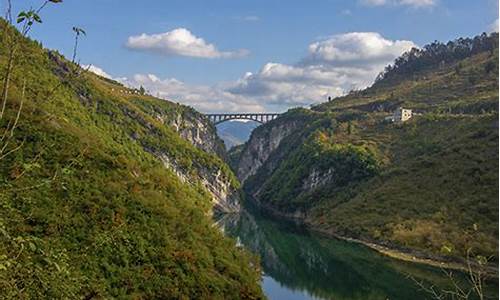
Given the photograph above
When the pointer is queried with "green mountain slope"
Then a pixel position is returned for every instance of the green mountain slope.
(92, 204)
(428, 186)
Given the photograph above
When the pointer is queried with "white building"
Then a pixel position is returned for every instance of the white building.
(400, 115)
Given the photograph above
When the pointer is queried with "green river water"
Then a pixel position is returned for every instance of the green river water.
(298, 264)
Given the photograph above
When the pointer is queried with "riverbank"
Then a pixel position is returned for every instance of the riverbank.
(408, 255)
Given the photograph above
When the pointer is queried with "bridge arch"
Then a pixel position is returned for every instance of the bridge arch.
(257, 117)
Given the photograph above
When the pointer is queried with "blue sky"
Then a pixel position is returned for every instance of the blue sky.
(298, 52)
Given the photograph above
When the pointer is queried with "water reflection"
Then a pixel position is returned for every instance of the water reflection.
(301, 265)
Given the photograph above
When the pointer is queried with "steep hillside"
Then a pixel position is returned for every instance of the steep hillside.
(459, 77)
(102, 197)
(428, 186)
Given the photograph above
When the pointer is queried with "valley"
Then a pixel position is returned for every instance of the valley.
(385, 192)
(426, 187)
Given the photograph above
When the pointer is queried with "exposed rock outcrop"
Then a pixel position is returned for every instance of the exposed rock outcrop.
(317, 179)
(196, 129)
(225, 197)
(262, 143)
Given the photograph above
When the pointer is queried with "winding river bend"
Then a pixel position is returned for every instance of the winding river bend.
(299, 265)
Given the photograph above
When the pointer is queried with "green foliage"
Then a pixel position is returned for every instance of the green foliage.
(436, 54)
(421, 186)
(87, 208)
(439, 183)
(29, 16)
(319, 162)
(234, 156)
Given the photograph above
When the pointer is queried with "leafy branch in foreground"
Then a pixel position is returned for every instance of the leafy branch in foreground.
(75, 69)
(25, 19)
(78, 31)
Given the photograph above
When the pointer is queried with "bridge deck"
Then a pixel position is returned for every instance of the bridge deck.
(257, 117)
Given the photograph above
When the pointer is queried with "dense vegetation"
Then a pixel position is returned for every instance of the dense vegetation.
(430, 184)
(87, 209)
(437, 53)
(319, 159)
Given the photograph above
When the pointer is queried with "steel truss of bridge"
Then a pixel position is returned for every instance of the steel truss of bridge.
(257, 117)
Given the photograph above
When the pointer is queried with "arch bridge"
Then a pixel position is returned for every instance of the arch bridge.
(257, 117)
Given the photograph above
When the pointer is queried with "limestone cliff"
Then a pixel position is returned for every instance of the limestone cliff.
(198, 131)
(260, 146)
(225, 197)
(270, 145)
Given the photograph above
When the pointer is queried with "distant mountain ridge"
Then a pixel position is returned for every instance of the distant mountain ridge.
(235, 132)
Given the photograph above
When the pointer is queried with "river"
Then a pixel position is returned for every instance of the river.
(299, 265)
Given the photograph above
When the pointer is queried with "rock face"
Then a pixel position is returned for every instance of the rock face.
(225, 197)
(260, 166)
(196, 129)
(317, 179)
(263, 141)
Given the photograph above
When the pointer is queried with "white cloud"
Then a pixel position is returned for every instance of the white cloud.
(179, 42)
(332, 67)
(356, 48)
(418, 3)
(97, 70)
(201, 97)
(411, 3)
(494, 26)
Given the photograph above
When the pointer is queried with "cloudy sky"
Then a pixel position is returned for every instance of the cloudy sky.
(253, 55)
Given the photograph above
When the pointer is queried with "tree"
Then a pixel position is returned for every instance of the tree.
(458, 68)
(439, 54)
(472, 79)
